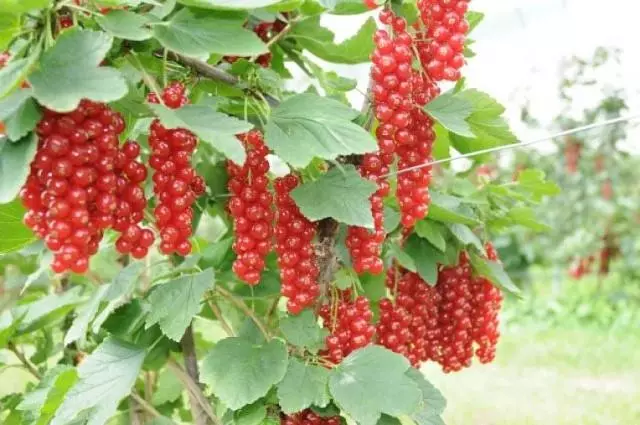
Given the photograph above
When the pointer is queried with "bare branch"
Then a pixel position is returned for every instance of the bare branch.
(191, 366)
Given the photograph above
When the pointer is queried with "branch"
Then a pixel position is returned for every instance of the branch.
(246, 310)
(23, 359)
(194, 390)
(218, 314)
(191, 365)
(147, 407)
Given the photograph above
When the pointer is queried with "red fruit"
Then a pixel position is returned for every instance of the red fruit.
(308, 417)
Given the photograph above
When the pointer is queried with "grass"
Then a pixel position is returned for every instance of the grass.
(579, 376)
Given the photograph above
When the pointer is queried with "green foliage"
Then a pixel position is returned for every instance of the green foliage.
(16, 235)
(303, 386)
(303, 331)
(15, 158)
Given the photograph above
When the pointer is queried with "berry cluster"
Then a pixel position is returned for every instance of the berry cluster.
(308, 417)
(441, 48)
(71, 192)
(175, 182)
(130, 174)
(349, 324)
(410, 325)
(250, 205)
(294, 246)
(487, 300)
(265, 31)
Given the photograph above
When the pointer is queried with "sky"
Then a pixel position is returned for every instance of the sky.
(520, 46)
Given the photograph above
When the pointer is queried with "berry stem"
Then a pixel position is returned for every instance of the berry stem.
(245, 309)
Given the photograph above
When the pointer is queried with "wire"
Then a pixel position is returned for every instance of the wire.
(569, 132)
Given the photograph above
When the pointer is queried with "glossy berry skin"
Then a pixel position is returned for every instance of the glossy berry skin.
(441, 45)
(349, 324)
(486, 303)
(309, 417)
(409, 324)
(70, 191)
(176, 185)
(294, 235)
(250, 205)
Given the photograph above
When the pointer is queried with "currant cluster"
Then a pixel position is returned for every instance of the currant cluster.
(308, 417)
(265, 31)
(71, 191)
(487, 300)
(250, 205)
(175, 183)
(442, 46)
(130, 174)
(294, 246)
(455, 314)
(414, 152)
(349, 324)
(410, 325)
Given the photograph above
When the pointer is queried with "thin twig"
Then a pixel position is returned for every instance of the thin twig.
(147, 407)
(218, 314)
(194, 389)
(23, 359)
(246, 310)
(191, 367)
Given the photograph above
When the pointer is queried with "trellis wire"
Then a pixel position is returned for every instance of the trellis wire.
(569, 132)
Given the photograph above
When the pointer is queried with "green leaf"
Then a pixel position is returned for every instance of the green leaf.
(493, 271)
(449, 209)
(105, 377)
(18, 7)
(426, 258)
(46, 311)
(229, 4)
(433, 403)
(451, 110)
(442, 145)
(433, 232)
(474, 18)
(69, 71)
(15, 158)
(215, 128)
(303, 331)
(9, 324)
(525, 216)
(19, 113)
(372, 381)
(125, 24)
(203, 33)
(168, 389)
(343, 195)
(534, 181)
(84, 316)
(9, 28)
(465, 235)
(391, 219)
(240, 372)
(252, 414)
(302, 386)
(39, 406)
(319, 41)
(173, 304)
(388, 420)
(15, 235)
(307, 126)
(395, 252)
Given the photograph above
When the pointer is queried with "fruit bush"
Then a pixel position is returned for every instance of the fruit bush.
(185, 240)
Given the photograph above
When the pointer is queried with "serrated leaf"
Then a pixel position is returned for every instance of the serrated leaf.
(433, 232)
(303, 331)
(125, 24)
(168, 389)
(451, 110)
(449, 209)
(474, 18)
(19, 114)
(426, 258)
(15, 158)
(465, 235)
(204, 33)
(303, 385)
(84, 316)
(47, 310)
(318, 40)
(173, 304)
(15, 235)
(307, 126)
(252, 414)
(229, 4)
(493, 271)
(433, 403)
(69, 71)
(14, 72)
(240, 372)
(343, 195)
(534, 181)
(372, 381)
(39, 406)
(104, 378)
(215, 128)
(395, 252)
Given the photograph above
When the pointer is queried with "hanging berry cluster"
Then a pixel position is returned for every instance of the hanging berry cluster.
(441, 44)
(308, 417)
(251, 208)
(72, 193)
(175, 182)
(294, 246)
(442, 323)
